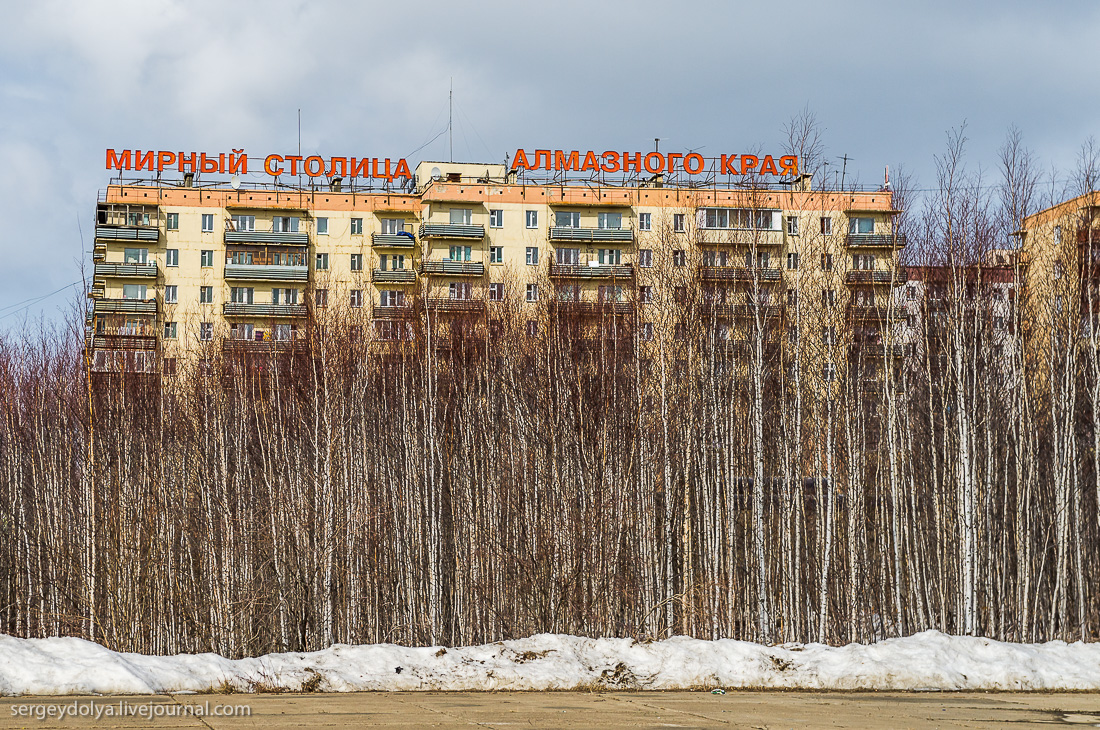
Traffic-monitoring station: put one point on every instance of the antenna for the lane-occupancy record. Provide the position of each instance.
(299, 141)
(844, 170)
(450, 118)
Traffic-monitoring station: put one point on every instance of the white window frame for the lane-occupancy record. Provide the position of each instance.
(207, 222)
(172, 257)
(322, 226)
(532, 255)
(532, 292)
(496, 219)
(645, 221)
(171, 294)
(532, 218)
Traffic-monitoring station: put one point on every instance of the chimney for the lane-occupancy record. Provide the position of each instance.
(188, 179)
(335, 184)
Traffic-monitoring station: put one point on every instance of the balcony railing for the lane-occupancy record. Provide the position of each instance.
(125, 306)
(741, 310)
(738, 273)
(126, 233)
(266, 272)
(114, 341)
(398, 276)
(867, 311)
(591, 271)
(128, 271)
(570, 306)
(278, 311)
(738, 237)
(394, 311)
(457, 305)
(875, 277)
(618, 235)
(279, 238)
(871, 240)
(295, 343)
(452, 268)
(392, 240)
(451, 230)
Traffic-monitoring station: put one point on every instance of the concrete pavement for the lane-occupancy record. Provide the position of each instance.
(609, 710)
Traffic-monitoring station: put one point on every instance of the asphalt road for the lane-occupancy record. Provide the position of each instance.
(572, 710)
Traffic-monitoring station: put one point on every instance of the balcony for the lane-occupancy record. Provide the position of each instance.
(126, 337)
(591, 271)
(126, 306)
(456, 305)
(612, 235)
(738, 237)
(277, 311)
(398, 276)
(392, 240)
(875, 277)
(578, 307)
(266, 272)
(725, 311)
(870, 240)
(277, 238)
(451, 230)
(738, 273)
(296, 343)
(126, 271)
(867, 312)
(402, 311)
(105, 232)
(452, 268)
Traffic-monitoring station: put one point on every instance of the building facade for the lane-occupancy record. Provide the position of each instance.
(181, 270)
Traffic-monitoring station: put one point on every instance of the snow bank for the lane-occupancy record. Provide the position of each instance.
(925, 661)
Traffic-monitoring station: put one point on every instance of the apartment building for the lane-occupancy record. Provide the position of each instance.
(182, 269)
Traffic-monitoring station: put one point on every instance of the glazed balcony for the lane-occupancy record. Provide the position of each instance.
(392, 240)
(394, 276)
(738, 273)
(271, 238)
(610, 235)
(452, 268)
(874, 240)
(266, 272)
(126, 271)
(592, 271)
(125, 306)
(738, 237)
(452, 230)
(273, 311)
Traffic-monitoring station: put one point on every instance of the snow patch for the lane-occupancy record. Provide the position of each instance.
(925, 661)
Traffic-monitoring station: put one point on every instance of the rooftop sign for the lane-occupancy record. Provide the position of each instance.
(236, 162)
(654, 163)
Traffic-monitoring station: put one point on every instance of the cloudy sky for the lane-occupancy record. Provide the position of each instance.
(885, 80)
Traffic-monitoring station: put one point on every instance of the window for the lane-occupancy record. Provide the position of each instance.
(1057, 268)
(679, 258)
(863, 262)
(133, 291)
(322, 226)
(532, 218)
(679, 294)
(826, 225)
(828, 372)
(389, 298)
(393, 225)
(395, 262)
(645, 294)
(461, 253)
(170, 330)
(461, 216)
(320, 298)
(861, 226)
(998, 323)
(206, 295)
(828, 335)
(827, 262)
(610, 294)
(678, 222)
(792, 225)
(569, 293)
(357, 262)
(792, 261)
(645, 257)
(135, 256)
(171, 294)
(792, 334)
(532, 328)
(207, 222)
(320, 262)
(242, 222)
(1057, 234)
(284, 224)
(496, 254)
(610, 221)
(645, 221)
(532, 256)
(496, 219)
(567, 256)
(828, 297)
(242, 331)
(172, 221)
(647, 331)
(1058, 302)
(911, 292)
(911, 321)
(496, 292)
(356, 299)
(242, 294)
(458, 290)
(792, 297)
(284, 296)
(206, 331)
(532, 292)
(206, 259)
(357, 226)
(611, 256)
(719, 258)
(567, 219)
(172, 257)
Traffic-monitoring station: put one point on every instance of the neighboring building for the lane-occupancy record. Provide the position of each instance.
(180, 269)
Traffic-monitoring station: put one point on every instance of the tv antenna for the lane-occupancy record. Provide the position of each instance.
(844, 170)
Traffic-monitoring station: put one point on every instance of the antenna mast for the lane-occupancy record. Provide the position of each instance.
(450, 118)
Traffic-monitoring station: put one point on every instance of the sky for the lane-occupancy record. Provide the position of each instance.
(886, 82)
